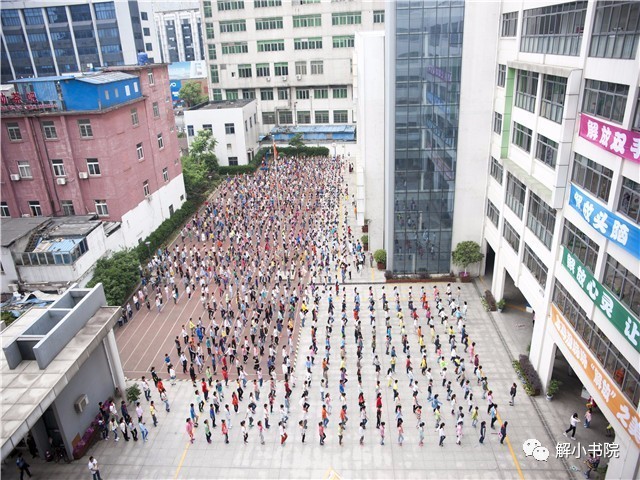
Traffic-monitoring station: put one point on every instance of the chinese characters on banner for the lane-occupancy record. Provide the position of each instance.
(625, 413)
(27, 102)
(617, 314)
(618, 141)
(621, 232)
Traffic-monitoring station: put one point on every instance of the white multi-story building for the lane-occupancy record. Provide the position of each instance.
(180, 35)
(563, 195)
(293, 56)
(58, 37)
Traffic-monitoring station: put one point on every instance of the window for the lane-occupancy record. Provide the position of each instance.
(144, 16)
(10, 18)
(321, 93)
(340, 92)
(34, 208)
(230, 5)
(146, 32)
(285, 117)
(592, 176)
(231, 26)
(527, 90)
(302, 93)
(67, 208)
(556, 29)
(233, 161)
(283, 93)
(139, 151)
(301, 68)
(346, 18)
(629, 203)
(165, 174)
(49, 130)
(636, 119)
(378, 16)
(248, 93)
(101, 208)
(340, 116)
(210, 31)
(580, 245)
(281, 69)
(541, 219)
(160, 141)
(134, 117)
(322, 116)
(262, 70)
(312, 43)
(605, 100)
(190, 131)
(509, 24)
(24, 169)
(232, 48)
(93, 167)
(497, 122)
(145, 188)
(58, 168)
(244, 70)
(85, 128)
(546, 151)
(231, 94)
(156, 109)
(33, 16)
(267, 3)
(229, 128)
(553, 93)
(536, 266)
(207, 126)
(304, 116)
(344, 41)
(266, 94)
(300, 21)
(274, 23)
(105, 11)
(502, 75)
(624, 373)
(515, 195)
(511, 236)
(213, 70)
(208, 12)
(615, 30)
(522, 136)
(496, 170)
(270, 45)
(269, 118)
(152, 80)
(13, 129)
(4, 210)
(493, 213)
(623, 283)
(317, 67)
(211, 48)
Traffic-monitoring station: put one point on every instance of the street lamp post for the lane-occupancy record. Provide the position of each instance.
(148, 244)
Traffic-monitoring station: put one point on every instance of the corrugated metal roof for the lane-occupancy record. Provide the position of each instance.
(106, 77)
(315, 129)
(43, 79)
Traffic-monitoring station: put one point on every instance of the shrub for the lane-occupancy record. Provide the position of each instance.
(553, 387)
(119, 274)
(532, 383)
(490, 300)
(388, 274)
(380, 256)
(133, 393)
(466, 253)
(364, 238)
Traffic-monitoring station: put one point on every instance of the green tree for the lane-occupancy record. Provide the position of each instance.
(202, 150)
(296, 141)
(195, 175)
(466, 253)
(118, 274)
(191, 94)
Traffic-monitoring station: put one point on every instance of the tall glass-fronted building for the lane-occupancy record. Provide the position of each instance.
(425, 56)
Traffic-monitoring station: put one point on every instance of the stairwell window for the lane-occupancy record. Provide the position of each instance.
(85, 128)
(101, 208)
(58, 168)
(145, 188)
(139, 151)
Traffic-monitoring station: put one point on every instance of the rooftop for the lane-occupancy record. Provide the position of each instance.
(224, 104)
(15, 228)
(54, 228)
(106, 77)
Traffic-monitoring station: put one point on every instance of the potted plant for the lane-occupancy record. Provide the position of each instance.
(553, 388)
(365, 242)
(365, 227)
(501, 304)
(380, 256)
(465, 254)
(133, 393)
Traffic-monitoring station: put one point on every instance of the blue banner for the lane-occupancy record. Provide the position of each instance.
(616, 229)
(175, 86)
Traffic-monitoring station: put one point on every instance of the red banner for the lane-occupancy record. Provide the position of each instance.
(616, 140)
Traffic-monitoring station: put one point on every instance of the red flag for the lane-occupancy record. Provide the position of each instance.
(275, 151)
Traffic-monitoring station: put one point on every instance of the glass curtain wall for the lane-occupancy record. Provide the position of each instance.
(428, 60)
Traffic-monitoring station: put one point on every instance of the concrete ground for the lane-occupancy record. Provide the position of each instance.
(499, 338)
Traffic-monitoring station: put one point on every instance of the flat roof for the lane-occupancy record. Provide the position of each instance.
(223, 104)
(106, 77)
(13, 229)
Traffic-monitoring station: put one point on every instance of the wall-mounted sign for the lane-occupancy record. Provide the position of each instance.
(616, 140)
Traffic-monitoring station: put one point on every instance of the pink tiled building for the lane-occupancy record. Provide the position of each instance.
(102, 143)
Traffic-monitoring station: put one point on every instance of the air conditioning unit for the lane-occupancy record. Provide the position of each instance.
(61, 181)
(26, 215)
(81, 403)
(298, 77)
(268, 79)
(284, 78)
(83, 175)
(14, 177)
(12, 287)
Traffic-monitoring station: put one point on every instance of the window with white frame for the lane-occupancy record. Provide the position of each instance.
(139, 151)
(134, 117)
(302, 93)
(493, 213)
(317, 67)
(85, 128)
(231, 94)
(58, 168)
(320, 93)
(311, 43)
(346, 18)
(378, 16)
(623, 283)
(145, 188)
(272, 23)
(244, 70)
(13, 129)
(281, 69)
(266, 3)
(101, 208)
(526, 90)
(509, 24)
(301, 68)
(269, 118)
(501, 79)
(67, 208)
(340, 116)
(266, 94)
(301, 21)
(235, 47)
(516, 193)
(156, 109)
(270, 45)
(285, 117)
(262, 70)
(93, 167)
(4, 210)
(165, 174)
(546, 150)
(233, 161)
(248, 93)
(283, 93)
(24, 169)
(615, 30)
(554, 29)
(344, 41)
(340, 92)
(553, 93)
(496, 170)
(497, 122)
(629, 203)
(541, 219)
(152, 80)
(535, 265)
(592, 176)
(511, 236)
(605, 100)
(49, 130)
(303, 116)
(229, 128)
(580, 244)
(322, 116)
(160, 141)
(232, 26)
(224, 5)
(35, 209)
(522, 136)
